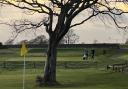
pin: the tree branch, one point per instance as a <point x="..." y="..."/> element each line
<point x="37" y="7"/>
<point x="84" y="20"/>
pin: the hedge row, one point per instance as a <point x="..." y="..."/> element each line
<point x="108" y="45"/>
<point x="41" y="64"/>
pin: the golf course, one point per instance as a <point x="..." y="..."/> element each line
<point x="72" y="71"/>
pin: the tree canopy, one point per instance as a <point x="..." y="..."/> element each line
<point x="66" y="11"/>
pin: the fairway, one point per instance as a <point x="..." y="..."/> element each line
<point x="88" y="76"/>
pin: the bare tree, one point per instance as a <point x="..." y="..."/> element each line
<point x="1" y="44"/>
<point x="70" y="38"/>
<point x="95" y="41"/>
<point x="126" y="42"/>
<point x="39" y="40"/>
<point x="65" y="11"/>
<point x="26" y="41"/>
<point x="9" y="42"/>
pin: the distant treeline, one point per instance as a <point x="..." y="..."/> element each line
<point x="2" y="46"/>
<point x="116" y="46"/>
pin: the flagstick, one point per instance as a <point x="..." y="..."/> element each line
<point x="24" y="74"/>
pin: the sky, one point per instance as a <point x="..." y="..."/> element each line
<point x="91" y="30"/>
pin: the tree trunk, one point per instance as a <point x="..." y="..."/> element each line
<point x="49" y="77"/>
<point x="50" y="66"/>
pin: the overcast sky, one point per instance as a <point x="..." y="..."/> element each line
<point x="91" y="30"/>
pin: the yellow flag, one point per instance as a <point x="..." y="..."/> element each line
<point x="24" y="49"/>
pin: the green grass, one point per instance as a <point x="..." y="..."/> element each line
<point x="123" y="45"/>
<point x="69" y="54"/>
<point x="96" y="77"/>
<point x="90" y="78"/>
<point x="40" y="58"/>
<point x="40" y="55"/>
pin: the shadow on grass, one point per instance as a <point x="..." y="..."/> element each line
<point x="102" y="81"/>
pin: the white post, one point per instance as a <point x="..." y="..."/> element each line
<point x="24" y="73"/>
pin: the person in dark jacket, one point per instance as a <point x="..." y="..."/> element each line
<point x="93" y="53"/>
